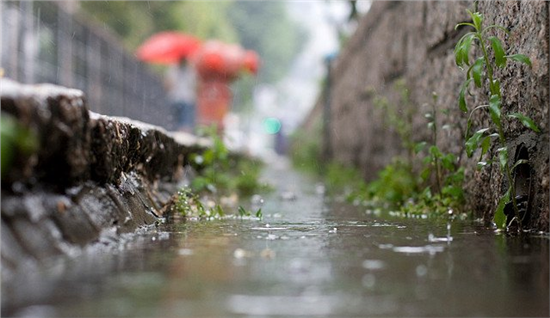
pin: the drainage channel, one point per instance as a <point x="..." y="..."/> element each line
<point x="307" y="257"/>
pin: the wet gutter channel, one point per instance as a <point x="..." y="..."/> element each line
<point x="308" y="256"/>
<point x="87" y="244"/>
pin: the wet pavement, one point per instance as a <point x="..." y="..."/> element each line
<point x="307" y="257"/>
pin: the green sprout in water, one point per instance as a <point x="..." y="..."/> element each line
<point x="481" y="73"/>
<point x="245" y="213"/>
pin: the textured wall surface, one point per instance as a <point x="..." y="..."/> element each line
<point x="414" y="41"/>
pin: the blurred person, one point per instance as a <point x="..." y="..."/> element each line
<point x="181" y="84"/>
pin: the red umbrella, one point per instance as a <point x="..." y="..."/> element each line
<point x="167" y="47"/>
<point x="218" y="59"/>
<point x="251" y="61"/>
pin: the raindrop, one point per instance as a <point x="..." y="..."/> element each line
<point x="268" y="253"/>
<point x="257" y="199"/>
<point x="288" y="196"/>
<point x="320" y="189"/>
<point x="421" y="270"/>
<point x="373" y="264"/>
<point x="369" y="281"/>
<point x="185" y="252"/>
<point x="432" y="238"/>
<point x="240" y="253"/>
<point x="271" y="237"/>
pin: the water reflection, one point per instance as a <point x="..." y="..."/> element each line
<point x="307" y="257"/>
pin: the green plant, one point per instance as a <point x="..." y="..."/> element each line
<point x="395" y="185"/>
<point x="213" y="162"/>
<point x="222" y="172"/>
<point x="188" y="204"/>
<point x="305" y="148"/>
<point x="400" y="117"/>
<point x="482" y="73"/>
<point x="428" y="185"/>
<point x="246" y="213"/>
<point x="16" y="139"/>
<point x="448" y="192"/>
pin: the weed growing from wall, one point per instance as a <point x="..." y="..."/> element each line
<point x="480" y="72"/>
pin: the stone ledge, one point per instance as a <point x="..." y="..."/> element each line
<point x="89" y="174"/>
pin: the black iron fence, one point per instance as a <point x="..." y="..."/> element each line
<point x="43" y="42"/>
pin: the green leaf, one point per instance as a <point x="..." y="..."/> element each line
<point x="464" y="24"/>
<point x="477" y="18"/>
<point x="496" y="26"/>
<point x="495" y="88"/>
<point x="259" y="213"/>
<point x="427" y="160"/>
<point x="453" y="191"/>
<point x="462" y="49"/>
<point x="494" y="109"/>
<point x="477" y="70"/>
<point x="468" y="127"/>
<point x="448" y="161"/>
<point x="519" y="163"/>
<point x="500" y="58"/>
<point x="461" y="99"/>
<point x="466" y="49"/>
<point x="500" y="218"/>
<point x="419" y="147"/>
<point x="243" y="212"/>
<point x="426" y="173"/>
<point x="481" y="164"/>
<point x="485" y="144"/>
<point x="435" y="152"/>
<point x="219" y="210"/>
<point x="473" y="142"/>
<point x="520" y="58"/>
<point x="503" y="157"/>
<point x="526" y="121"/>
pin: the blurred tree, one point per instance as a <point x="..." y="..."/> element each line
<point x="135" y="21"/>
<point x="267" y="28"/>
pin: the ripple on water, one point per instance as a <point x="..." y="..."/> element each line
<point x="373" y="264"/>
<point x="282" y="305"/>
<point x="430" y="249"/>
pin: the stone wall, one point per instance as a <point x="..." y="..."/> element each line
<point x="89" y="179"/>
<point x="414" y="41"/>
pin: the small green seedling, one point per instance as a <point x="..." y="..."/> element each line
<point x="243" y="212"/>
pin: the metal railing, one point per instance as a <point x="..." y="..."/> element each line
<point x="43" y="43"/>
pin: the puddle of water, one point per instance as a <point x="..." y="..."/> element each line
<point x="307" y="257"/>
